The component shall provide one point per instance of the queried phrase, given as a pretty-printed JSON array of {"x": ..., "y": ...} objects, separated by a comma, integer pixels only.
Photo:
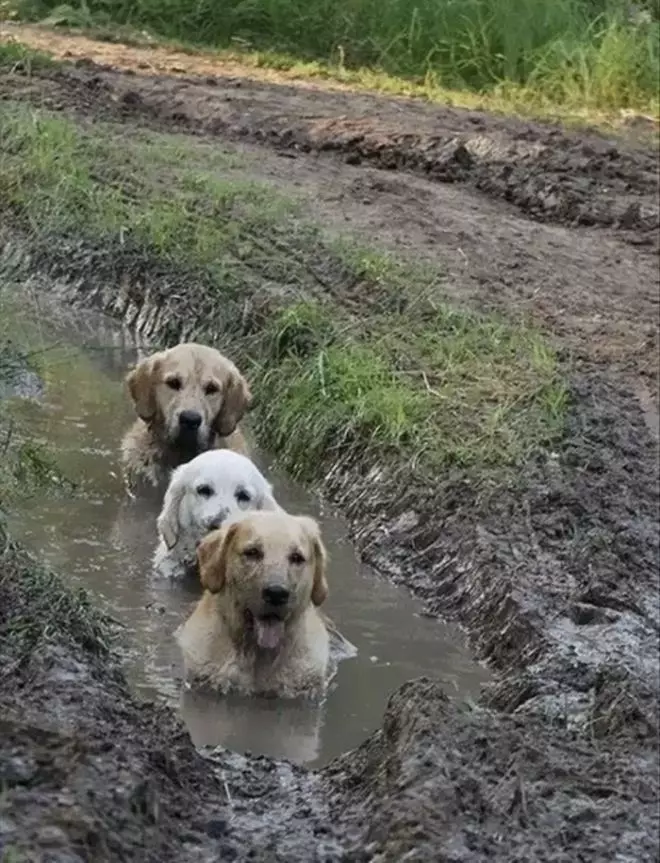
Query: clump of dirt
[
  {"x": 555, "y": 574},
  {"x": 441, "y": 783}
]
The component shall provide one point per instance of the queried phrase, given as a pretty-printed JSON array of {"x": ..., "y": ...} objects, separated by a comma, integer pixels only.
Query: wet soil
[
  {"x": 555, "y": 176},
  {"x": 554, "y": 575},
  {"x": 89, "y": 773}
]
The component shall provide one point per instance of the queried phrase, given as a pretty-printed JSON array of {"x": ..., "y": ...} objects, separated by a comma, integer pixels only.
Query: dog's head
[
  {"x": 271, "y": 566},
  {"x": 187, "y": 395},
  {"x": 204, "y": 492}
]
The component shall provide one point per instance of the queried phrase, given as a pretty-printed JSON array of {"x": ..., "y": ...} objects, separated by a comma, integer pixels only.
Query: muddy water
[{"x": 99, "y": 539}]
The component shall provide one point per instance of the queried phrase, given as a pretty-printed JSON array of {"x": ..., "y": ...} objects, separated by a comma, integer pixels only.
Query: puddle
[{"x": 99, "y": 539}]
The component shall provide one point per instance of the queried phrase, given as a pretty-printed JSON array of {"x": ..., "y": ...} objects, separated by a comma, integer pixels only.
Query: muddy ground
[
  {"x": 554, "y": 576},
  {"x": 525, "y": 217}
]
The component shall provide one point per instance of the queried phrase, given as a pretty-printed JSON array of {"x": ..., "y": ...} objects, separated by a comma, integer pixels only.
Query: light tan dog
[
  {"x": 188, "y": 399},
  {"x": 257, "y": 630}
]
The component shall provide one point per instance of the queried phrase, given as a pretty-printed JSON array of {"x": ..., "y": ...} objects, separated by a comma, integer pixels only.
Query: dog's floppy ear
[
  {"x": 267, "y": 500},
  {"x": 140, "y": 383},
  {"x": 236, "y": 401},
  {"x": 212, "y": 557},
  {"x": 168, "y": 520},
  {"x": 320, "y": 586}
]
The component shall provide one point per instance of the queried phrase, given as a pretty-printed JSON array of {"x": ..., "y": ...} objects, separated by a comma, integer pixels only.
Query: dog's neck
[{"x": 166, "y": 454}]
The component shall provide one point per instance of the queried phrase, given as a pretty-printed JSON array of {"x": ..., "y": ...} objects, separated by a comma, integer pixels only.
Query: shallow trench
[{"x": 100, "y": 540}]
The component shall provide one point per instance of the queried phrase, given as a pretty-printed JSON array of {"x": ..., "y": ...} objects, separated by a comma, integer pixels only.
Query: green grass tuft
[
  {"x": 14, "y": 56},
  {"x": 461, "y": 391},
  {"x": 36, "y": 608}
]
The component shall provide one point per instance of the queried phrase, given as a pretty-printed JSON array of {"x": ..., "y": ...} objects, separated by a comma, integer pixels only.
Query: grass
[
  {"x": 37, "y": 607},
  {"x": 25, "y": 466},
  {"x": 14, "y": 56},
  {"x": 462, "y": 391},
  {"x": 573, "y": 54},
  {"x": 350, "y": 352}
]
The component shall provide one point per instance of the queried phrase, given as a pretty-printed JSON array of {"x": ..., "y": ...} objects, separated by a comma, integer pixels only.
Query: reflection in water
[
  {"x": 100, "y": 539},
  {"x": 289, "y": 729}
]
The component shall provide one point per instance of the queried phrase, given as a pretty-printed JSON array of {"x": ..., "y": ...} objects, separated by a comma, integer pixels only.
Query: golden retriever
[
  {"x": 189, "y": 399},
  {"x": 257, "y": 629}
]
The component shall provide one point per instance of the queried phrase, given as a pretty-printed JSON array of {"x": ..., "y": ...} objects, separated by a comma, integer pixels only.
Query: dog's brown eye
[
  {"x": 211, "y": 389},
  {"x": 253, "y": 552},
  {"x": 296, "y": 558},
  {"x": 242, "y": 496},
  {"x": 174, "y": 383},
  {"x": 204, "y": 490}
]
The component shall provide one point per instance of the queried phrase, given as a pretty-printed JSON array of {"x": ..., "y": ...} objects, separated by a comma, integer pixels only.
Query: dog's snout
[
  {"x": 190, "y": 420},
  {"x": 217, "y": 520},
  {"x": 275, "y": 594}
]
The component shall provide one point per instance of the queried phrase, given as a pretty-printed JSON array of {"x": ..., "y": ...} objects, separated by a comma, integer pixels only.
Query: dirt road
[{"x": 555, "y": 579}]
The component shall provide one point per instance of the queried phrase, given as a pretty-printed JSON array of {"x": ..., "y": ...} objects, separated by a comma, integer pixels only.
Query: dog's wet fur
[
  {"x": 257, "y": 629},
  {"x": 189, "y": 399}
]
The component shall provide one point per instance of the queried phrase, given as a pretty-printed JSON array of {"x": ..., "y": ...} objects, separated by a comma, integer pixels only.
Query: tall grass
[{"x": 603, "y": 52}]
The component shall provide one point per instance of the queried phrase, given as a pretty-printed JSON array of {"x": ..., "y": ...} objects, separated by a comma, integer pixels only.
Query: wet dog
[
  {"x": 201, "y": 495},
  {"x": 257, "y": 629},
  {"x": 189, "y": 399}
]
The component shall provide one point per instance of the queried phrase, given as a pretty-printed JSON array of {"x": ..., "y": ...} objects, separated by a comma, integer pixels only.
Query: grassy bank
[
  {"x": 351, "y": 353},
  {"x": 34, "y": 603},
  {"x": 602, "y": 54},
  {"x": 25, "y": 466}
]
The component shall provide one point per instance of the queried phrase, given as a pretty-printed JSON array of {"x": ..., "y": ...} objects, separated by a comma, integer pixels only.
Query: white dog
[{"x": 200, "y": 496}]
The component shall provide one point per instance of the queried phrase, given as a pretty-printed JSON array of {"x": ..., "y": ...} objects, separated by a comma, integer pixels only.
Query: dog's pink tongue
[{"x": 269, "y": 633}]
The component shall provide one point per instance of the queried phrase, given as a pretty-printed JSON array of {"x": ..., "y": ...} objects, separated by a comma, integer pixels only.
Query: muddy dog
[
  {"x": 257, "y": 629},
  {"x": 188, "y": 399},
  {"x": 203, "y": 494}
]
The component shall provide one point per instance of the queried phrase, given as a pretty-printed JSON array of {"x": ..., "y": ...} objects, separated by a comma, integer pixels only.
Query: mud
[
  {"x": 460, "y": 785},
  {"x": 91, "y": 774},
  {"x": 555, "y": 578},
  {"x": 103, "y": 542},
  {"x": 554, "y": 575}
]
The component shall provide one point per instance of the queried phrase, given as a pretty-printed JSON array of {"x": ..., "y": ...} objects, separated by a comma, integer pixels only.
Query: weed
[{"x": 14, "y": 56}]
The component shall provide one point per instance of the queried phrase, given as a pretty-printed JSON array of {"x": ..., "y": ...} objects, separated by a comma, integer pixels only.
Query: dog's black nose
[
  {"x": 275, "y": 594},
  {"x": 190, "y": 420},
  {"x": 215, "y": 523}
]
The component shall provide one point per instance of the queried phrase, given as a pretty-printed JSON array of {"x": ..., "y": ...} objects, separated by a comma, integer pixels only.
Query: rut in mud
[
  {"x": 554, "y": 575},
  {"x": 487, "y": 196}
]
